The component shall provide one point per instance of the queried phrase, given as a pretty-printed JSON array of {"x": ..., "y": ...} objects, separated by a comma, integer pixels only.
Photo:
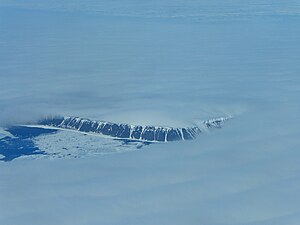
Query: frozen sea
[{"x": 164, "y": 63}]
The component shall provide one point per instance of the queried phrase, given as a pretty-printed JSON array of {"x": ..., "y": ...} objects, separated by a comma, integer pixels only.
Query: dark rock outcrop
[{"x": 131, "y": 132}]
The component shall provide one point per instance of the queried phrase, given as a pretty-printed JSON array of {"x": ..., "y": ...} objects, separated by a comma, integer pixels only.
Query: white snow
[
  {"x": 70, "y": 144},
  {"x": 4, "y": 133}
]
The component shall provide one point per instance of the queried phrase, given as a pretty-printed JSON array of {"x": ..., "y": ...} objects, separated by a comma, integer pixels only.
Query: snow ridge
[{"x": 130, "y": 132}]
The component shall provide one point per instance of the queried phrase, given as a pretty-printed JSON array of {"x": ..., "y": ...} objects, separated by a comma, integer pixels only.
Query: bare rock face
[{"x": 131, "y": 132}]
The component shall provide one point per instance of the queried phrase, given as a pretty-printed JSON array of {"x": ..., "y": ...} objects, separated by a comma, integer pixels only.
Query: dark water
[{"x": 12, "y": 148}]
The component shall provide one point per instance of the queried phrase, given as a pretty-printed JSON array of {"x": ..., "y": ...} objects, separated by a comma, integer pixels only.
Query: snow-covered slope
[{"x": 130, "y": 132}]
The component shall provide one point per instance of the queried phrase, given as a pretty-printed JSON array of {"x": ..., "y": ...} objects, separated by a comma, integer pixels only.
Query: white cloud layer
[{"x": 161, "y": 71}]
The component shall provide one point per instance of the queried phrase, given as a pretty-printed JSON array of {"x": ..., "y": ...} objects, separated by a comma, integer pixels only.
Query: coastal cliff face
[{"x": 132, "y": 132}]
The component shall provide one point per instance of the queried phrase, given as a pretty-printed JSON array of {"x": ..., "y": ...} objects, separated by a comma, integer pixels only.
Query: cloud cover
[
  {"x": 141, "y": 71},
  {"x": 154, "y": 70}
]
